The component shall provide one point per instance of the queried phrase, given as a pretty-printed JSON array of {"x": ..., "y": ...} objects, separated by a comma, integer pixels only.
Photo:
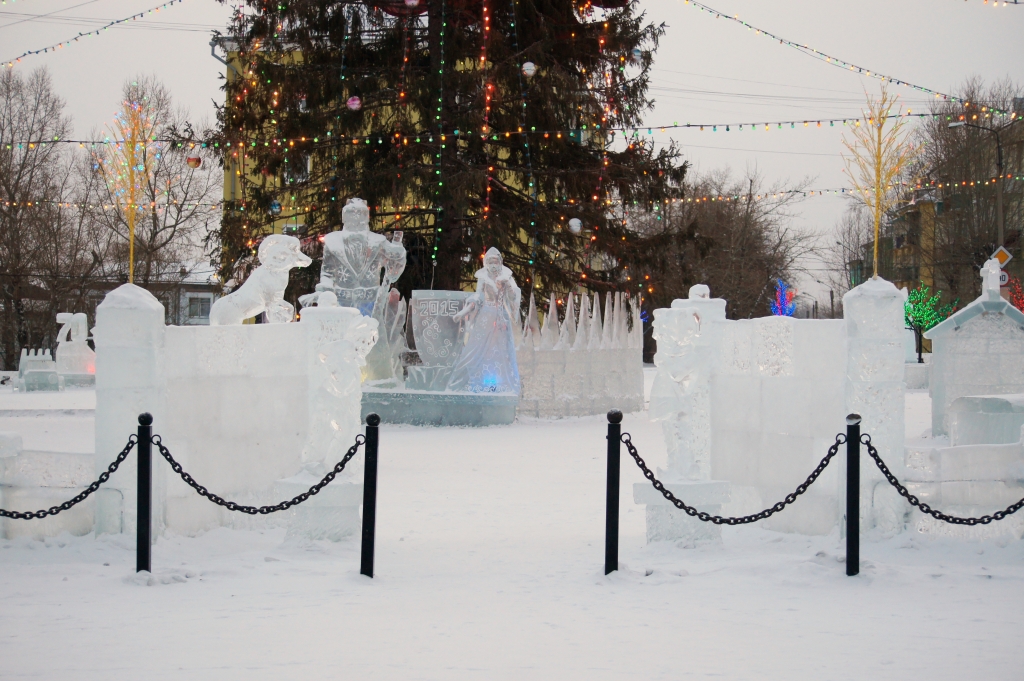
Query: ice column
[
  {"x": 681, "y": 399},
  {"x": 129, "y": 338},
  {"x": 874, "y": 389}
]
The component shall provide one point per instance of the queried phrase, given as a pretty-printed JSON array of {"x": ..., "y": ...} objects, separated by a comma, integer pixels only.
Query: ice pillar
[
  {"x": 129, "y": 338},
  {"x": 874, "y": 389}
]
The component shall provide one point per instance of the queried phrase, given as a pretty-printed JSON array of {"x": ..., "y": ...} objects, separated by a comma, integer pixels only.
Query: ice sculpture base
[
  {"x": 667, "y": 523},
  {"x": 333, "y": 514},
  {"x": 916, "y": 375},
  {"x": 422, "y": 408}
]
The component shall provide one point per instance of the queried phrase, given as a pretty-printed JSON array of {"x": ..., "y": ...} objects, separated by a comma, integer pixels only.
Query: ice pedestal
[
  {"x": 422, "y": 408},
  {"x": 985, "y": 419},
  {"x": 333, "y": 514},
  {"x": 665, "y": 522},
  {"x": 968, "y": 481}
]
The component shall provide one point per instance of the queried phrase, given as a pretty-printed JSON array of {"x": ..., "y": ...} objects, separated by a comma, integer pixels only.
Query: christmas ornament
[
  {"x": 194, "y": 161},
  {"x": 575, "y": 226},
  {"x": 275, "y": 207},
  {"x": 354, "y": 103},
  {"x": 529, "y": 69}
]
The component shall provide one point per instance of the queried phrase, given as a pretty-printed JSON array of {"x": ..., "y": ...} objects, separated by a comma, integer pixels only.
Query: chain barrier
[
  {"x": 741, "y": 520},
  {"x": 104, "y": 476},
  {"x": 925, "y": 508},
  {"x": 259, "y": 510}
]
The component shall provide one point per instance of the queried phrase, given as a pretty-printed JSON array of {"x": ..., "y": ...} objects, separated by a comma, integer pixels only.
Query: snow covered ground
[{"x": 489, "y": 566}]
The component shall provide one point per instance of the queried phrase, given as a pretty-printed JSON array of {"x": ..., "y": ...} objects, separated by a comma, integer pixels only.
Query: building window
[{"x": 198, "y": 308}]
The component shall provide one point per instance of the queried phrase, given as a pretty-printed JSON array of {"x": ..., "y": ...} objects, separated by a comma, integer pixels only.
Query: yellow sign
[{"x": 1002, "y": 255}]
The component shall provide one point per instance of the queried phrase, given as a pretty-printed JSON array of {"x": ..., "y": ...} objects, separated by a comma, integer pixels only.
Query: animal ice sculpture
[
  {"x": 487, "y": 363},
  {"x": 74, "y": 356},
  {"x": 263, "y": 291}
]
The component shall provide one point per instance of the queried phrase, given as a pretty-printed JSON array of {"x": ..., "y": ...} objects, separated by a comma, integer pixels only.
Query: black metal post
[
  {"x": 852, "y": 494},
  {"x": 611, "y": 514},
  {"x": 369, "y": 496},
  {"x": 144, "y": 515}
]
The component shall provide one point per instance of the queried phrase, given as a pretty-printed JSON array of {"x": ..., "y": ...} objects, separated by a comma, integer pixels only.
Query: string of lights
[
  {"x": 575, "y": 135},
  {"x": 827, "y": 58},
  {"x": 64, "y": 43}
]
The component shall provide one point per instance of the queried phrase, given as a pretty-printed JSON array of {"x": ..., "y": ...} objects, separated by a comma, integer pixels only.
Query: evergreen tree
[{"x": 464, "y": 124}]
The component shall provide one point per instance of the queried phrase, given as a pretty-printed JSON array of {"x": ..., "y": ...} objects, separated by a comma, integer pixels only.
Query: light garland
[
  {"x": 69, "y": 41},
  {"x": 628, "y": 132}
]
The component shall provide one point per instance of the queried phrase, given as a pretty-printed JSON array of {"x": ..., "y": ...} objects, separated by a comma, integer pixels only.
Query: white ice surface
[{"x": 489, "y": 566}]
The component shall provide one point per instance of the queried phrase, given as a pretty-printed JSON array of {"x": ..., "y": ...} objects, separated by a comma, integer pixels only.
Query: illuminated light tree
[
  {"x": 921, "y": 312},
  {"x": 783, "y": 305},
  {"x": 127, "y": 164},
  {"x": 1016, "y": 292},
  {"x": 879, "y": 152}
]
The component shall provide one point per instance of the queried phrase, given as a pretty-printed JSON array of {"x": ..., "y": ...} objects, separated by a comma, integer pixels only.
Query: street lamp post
[{"x": 999, "y": 169}]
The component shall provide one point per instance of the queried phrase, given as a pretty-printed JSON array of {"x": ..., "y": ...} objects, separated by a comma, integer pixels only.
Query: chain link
[
  {"x": 259, "y": 510},
  {"x": 925, "y": 508},
  {"x": 104, "y": 476},
  {"x": 741, "y": 520}
]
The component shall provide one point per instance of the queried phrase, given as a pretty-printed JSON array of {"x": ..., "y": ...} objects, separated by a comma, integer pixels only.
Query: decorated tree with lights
[
  {"x": 464, "y": 123},
  {"x": 879, "y": 152},
  {"x": 922, "y": 311},
  {"x": 783, "y": 305}
]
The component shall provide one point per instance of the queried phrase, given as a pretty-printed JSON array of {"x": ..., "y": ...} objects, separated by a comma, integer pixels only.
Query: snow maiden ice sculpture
[{"x": 487, "y": 363}]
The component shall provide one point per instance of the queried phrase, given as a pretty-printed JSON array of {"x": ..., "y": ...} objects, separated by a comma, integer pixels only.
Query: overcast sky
[{"x": 707, "y": 70}]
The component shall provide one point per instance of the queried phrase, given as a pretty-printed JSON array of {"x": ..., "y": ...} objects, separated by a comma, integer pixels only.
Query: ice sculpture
[
  {"x": 353, "y": 260},
  {"x": 335, "y": 380},
  {"x": 487, "y": 363},
  {"x": 681, "y": 400},
  {"x": 437, "y": 337},
  {"x": 977, "y": 351},
  {"x": 38, "y": 372},
  {"x": 76, "y": 361},
  {"x": 263, "y": 291}
]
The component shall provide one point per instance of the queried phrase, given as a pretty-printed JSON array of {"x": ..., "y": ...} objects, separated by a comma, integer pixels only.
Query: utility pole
[{"x": 999, "y": 171}]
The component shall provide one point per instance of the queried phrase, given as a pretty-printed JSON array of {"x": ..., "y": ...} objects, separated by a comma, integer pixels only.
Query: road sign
[
  {"x": 1004, "y": 278},
  {"x": 1002, "y": 255}
]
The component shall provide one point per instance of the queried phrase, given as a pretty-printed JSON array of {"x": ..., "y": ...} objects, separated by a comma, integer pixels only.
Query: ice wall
[
  {"x": 236, "y": 405},
  {"x": 757, "y": 403},
  {"x": 581, "y": 367}
]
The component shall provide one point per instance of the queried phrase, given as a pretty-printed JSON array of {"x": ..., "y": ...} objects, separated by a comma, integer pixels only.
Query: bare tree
[
  {"x": 31, "y": 182},
  {"x": 735, "y": 236},
  {"x": 174, "y": 206}
]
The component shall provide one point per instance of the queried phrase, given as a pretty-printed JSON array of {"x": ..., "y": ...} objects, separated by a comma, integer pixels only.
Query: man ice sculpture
[
  {"x": 487, "y": 363},
  {"x": 353, "y": 259}
]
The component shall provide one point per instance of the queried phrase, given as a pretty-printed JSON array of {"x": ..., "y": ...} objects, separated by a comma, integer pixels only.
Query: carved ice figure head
[
  {"x": 327, "y": 299},
  {"x": 699, "y": 292},
  {"x": 355, "y": 216},
  {"x": 280, "y": 252},
  {"x": 990, "y": 277},
  {"x": 493, "y": 262}
]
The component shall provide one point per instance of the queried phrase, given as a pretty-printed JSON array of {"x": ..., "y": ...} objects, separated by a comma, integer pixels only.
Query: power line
[
  {"x": 69, "y": 41},
  {"x": 827, "y": 58}
]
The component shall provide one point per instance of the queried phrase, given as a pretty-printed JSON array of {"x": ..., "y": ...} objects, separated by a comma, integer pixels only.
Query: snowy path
[{"x": 489, "y": 567}]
